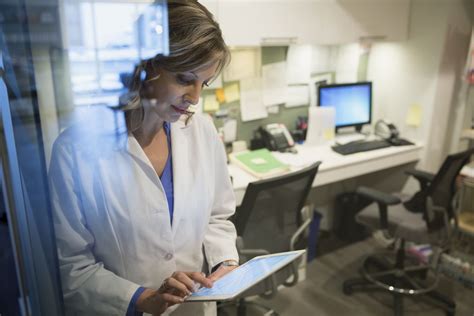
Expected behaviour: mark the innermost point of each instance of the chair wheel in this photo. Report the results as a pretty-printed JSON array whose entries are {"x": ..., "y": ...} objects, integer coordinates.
[{"x": 346, "y": 289}]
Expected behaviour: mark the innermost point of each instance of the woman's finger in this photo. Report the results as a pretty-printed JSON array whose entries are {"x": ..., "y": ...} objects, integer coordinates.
[
  {"x": 185, "y": 279},
  {"x": 200, "y": 278},
  {"x": 174, "y": 286}
]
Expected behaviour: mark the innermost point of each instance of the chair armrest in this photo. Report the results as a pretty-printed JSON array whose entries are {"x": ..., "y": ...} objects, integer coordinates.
[
  {"x": 307, "y": 216},
  {"x": 383, "y": 200},
  {"x": 248, "y": 253},
  {"x": 423, "y": 177},
  {"x": 253, "y": 252},
  {"x": 378, "y": 196}
]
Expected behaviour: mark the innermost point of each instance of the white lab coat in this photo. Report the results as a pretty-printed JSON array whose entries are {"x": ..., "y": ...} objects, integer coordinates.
[{"x": 112, "y": 221}]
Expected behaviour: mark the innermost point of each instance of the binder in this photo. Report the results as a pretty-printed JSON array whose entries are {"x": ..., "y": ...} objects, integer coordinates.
[{"x": 260, "y": 163}]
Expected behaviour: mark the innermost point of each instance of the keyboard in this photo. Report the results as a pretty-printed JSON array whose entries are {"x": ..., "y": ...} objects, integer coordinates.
[{"x": 359, "y": 146}]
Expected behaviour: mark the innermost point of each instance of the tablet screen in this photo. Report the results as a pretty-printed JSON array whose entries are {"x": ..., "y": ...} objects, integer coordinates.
[{"x": 242, "y": 278}]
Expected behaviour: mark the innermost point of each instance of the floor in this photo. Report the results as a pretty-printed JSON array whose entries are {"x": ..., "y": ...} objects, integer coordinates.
[{"x": 321, "y": 294}]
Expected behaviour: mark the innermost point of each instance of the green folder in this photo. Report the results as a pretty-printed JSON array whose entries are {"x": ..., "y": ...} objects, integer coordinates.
[{"x": 260, "y": 163}]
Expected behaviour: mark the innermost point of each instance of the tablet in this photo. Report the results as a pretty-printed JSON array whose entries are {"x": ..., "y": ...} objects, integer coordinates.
[{"x": 244, "y": 277}]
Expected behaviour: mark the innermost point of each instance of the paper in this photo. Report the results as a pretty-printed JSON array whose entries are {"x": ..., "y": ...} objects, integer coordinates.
[
  {"x": 468, "y": 170},
  {"x": 273, "y": 109},
  {"x": 231, "y": 92},
  {"x": 321, "y": 125},
  {"x": 220, "y": 95},
  {"x": 210, "y": 103},
  {"x": 230, "y": 130},
  {"x": 298, "y": 64},
  {"x": 251, "y": 103},
  {"x": 414, "y": 115},
  {"x": 260, "y": 163},
  {"x": 245, "y": 63},
  {"x": 274, "y": 83},
  {"x": 297, "y": 95}
]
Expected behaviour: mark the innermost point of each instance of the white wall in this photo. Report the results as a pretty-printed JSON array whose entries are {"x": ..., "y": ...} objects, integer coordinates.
[
  {"x": 343, "y": 60},
  {"x": 409, "y": 72}
]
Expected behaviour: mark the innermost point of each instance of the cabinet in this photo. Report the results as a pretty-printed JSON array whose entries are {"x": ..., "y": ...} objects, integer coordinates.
[{"x": 322, "y": 22}]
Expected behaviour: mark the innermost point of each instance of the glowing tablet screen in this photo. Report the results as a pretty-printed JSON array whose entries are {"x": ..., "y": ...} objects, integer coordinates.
[{"x": 245, "y": 276}]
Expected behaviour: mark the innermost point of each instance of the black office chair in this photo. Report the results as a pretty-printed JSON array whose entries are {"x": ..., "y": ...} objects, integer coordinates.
[
  {"x": 272, "y": 218},
  {"x": 422, "y": 218}
]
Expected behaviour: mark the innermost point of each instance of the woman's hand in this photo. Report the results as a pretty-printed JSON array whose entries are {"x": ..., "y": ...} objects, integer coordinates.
[
  {"x": 220, "y": 272},
  {"x": 173, "y": 291}
]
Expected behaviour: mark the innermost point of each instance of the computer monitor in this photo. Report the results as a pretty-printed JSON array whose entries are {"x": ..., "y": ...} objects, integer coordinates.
[{"x": 352, "y": 101}]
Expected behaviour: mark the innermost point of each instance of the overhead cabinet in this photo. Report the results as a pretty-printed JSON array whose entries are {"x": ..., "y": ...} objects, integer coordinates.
[{"x": 323, "y": 22}]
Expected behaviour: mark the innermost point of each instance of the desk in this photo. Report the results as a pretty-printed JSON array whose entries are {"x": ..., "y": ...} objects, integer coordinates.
[{"x": 334, "y": 167}]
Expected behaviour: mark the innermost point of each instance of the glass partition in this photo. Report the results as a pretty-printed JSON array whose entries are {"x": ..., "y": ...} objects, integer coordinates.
[{"x": 62, "y": 63}]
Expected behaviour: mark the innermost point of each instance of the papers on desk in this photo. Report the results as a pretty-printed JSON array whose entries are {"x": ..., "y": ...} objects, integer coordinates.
[
  {"x": 321, "y": 125},
  {"x": 468, "y": 170},
  {"x": 306, "y": 156},
  {"x": 259, "y": 163}
]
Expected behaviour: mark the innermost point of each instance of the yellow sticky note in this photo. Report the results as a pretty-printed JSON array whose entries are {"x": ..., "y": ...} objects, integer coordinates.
[
  {"x": 232, "y": 93},
  {"x": 328, "y": 134},
  {"x": 220, "y": 95},
  {"x": 210, "y": 103},
  {"x": 414, "y": 115}
]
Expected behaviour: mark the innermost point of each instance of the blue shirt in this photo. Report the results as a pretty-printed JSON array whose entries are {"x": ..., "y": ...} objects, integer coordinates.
[
  {"x": 167, "y": 182},
  {"x": 167, "y": 175}
]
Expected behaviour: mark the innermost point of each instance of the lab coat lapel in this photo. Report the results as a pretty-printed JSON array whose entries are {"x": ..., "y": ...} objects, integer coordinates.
[
  {"x": 181, "y": 171},
  {"x": 134, "y": 149},
  {"x": 157, "y": 190}
]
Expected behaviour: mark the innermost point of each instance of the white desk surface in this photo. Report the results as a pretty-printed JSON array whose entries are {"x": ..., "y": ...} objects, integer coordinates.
[{"x": 334, "y": 167}]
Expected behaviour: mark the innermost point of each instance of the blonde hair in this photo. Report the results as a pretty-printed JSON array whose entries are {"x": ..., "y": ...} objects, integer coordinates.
[{"x": 195, "y": 40}]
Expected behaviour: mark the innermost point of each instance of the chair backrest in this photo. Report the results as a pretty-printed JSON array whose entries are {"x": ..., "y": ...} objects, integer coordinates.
[
  {"x": 270, "y": 211},
  {"x": 442, "y": 188}
]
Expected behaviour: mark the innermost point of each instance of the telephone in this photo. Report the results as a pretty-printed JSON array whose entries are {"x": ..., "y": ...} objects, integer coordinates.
[
  {"x": 389, "y": 132},
  {"x": 276, "y": 137}
]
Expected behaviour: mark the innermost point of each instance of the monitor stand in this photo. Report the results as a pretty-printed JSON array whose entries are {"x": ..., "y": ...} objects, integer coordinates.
[{"x": 349, "y": 134}]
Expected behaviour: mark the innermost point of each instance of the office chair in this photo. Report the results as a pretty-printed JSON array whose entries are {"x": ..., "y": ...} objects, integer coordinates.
[
  {"x": 424, "y": 217},
  {"x": 272, "y": 218}
]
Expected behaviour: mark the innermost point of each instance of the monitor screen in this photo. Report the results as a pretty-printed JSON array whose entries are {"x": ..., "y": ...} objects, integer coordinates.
[{"x": 352, "y": 102}]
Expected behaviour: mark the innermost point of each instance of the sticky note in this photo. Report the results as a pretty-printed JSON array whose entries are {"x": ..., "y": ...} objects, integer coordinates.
[
  {"x": 232, "y": 93},
  {"x": 328, "y": 134},
  {"x": 414, "y": 115},
  {"x": 210, "y": 103},
  {"x": 220, "y": 95}
]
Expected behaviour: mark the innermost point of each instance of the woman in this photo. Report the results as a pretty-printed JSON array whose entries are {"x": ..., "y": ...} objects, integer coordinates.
[{"x": 141, "y": 219}]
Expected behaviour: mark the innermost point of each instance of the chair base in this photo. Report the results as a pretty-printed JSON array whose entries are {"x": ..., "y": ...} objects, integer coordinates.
[{"x": 379, "y": 274}]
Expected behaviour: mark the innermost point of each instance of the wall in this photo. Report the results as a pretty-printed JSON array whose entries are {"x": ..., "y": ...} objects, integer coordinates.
[{"x": 422, "y": 71}]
